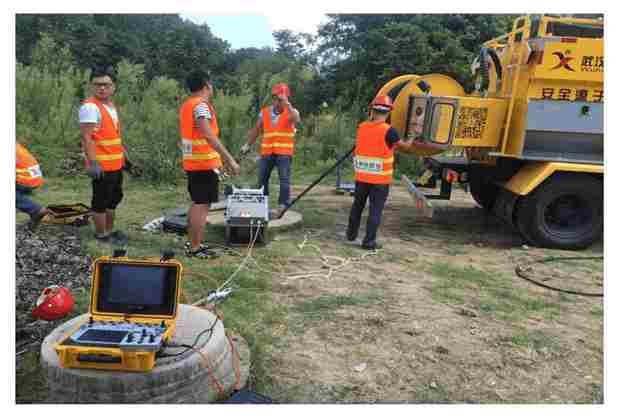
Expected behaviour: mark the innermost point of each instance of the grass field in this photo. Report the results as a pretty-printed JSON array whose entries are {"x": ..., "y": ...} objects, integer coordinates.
[{"x": 438, "y": 315}]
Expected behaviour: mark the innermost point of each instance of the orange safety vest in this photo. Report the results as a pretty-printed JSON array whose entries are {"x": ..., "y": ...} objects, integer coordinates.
[
  {"x": 374, "y": 160},
  {"x": 198, "y": 154},
  {"x": 27, "y": 170},
  {"x": 109, "y": 150},
  {"x": 278, "y": 139}
]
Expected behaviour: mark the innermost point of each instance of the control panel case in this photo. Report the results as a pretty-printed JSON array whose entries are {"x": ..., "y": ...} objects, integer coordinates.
[{"x": 132, "y": 314}]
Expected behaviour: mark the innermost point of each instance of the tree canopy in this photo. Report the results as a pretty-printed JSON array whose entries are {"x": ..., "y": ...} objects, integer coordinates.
[{"x": 351, "y": 56}]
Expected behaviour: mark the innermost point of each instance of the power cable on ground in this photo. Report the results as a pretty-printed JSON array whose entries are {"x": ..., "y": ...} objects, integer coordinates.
[{"x": 520, "y": 271}]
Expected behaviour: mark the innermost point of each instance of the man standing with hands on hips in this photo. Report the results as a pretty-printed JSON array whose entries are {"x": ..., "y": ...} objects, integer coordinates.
[
  {"x": 277, "y": 125},
  {"x": 100, "y": 135}
]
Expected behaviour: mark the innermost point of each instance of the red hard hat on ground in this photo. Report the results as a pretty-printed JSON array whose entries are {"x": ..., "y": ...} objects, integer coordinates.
[
  {"x": 382, "y": 103},
  {"x": 54, "y": 303},
  {"x": 281, "y": 88}
]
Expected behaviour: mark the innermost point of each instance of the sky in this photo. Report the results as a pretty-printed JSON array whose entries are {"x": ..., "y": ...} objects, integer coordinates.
[{"x": 255, "y": 29}]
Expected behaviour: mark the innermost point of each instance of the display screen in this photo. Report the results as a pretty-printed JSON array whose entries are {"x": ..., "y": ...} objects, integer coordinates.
[{"x": 136, "y": 289}]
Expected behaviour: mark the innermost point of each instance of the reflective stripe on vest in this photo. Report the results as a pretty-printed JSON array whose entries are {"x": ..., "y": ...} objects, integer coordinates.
[
  {"x": 107, "y": 137},
  {"x": 27, "y": 170},
  {"x": 278, "y": 139},
  {"x": 374, "y": 160},
  {"x": 198, "y": 154}
]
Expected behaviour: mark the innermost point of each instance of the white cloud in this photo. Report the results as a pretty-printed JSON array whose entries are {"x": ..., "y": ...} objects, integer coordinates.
[{"x": 308, "y": 21}]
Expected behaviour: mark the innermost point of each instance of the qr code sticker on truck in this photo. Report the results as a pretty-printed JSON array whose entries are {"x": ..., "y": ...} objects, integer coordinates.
[{"x": 471, "y": 122}]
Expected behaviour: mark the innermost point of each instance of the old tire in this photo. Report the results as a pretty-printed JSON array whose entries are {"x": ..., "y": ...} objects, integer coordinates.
[
  {"x": 482, "y": 188},
  {"x": 564, "y": 212},
  {"x": 181, "y": 379}
]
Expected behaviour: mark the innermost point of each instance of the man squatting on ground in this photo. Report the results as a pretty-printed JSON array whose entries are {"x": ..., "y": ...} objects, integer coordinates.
[
  {"x": 373, "y": 162},
  {"x": 104, "y": 153},
  {"x": 277, "y": 125},
  {"x": 28, "y": 177},
  {"x": 202, "y": 158}
]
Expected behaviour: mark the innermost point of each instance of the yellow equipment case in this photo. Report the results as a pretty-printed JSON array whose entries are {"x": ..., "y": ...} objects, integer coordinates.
[
  {"x": 68, "y": 214},
  {"x": 132, "y": 315}
]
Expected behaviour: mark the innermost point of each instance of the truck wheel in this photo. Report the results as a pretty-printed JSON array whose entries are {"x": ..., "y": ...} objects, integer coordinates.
[
  {"x": 482, "y": 189},
  {"x": 565, "y": 212}
]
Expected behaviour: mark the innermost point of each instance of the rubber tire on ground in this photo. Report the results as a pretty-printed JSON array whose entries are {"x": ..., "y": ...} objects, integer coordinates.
[
  {"x": 182, "y": 379},
  {"x": 482, "y": 188},
  {"x": 530, "y": 216}
]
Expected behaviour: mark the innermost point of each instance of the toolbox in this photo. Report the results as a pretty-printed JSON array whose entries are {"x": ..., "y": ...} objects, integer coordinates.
[
  {"x": 132, "y": 315},
  {"x": 68, "y": 214}
]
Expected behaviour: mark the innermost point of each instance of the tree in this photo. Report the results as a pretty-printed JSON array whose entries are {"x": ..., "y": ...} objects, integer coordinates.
[{"x": 376, "y": 48}]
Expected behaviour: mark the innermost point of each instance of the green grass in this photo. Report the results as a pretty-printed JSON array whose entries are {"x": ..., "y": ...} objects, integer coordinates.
[
  {"x": 532, "y": 339},
  {"x": 599, "y": 312},
  {"x": 490, "y": 292},
  {"x": 250, "y": 310}
]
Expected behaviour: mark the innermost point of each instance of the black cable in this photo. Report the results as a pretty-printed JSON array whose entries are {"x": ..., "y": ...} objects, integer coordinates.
[
  {"x": 319, "y": 179},
  {"x": 193, "y": 345},
  {"x": 521, "y": 273}
]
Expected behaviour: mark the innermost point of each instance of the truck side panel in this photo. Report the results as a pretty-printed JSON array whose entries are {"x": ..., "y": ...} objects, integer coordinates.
[{"x": 533, "y": 174}]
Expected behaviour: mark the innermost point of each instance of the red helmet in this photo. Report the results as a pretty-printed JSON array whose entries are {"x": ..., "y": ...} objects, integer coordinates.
[
  {"x": 382, "y": 103},
  {"x": 54, "y": 303},
  {"x": 281, "y": 88}
]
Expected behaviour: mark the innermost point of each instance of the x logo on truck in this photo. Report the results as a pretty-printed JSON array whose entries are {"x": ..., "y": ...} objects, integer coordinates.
[{"x": 564, "y": 59}]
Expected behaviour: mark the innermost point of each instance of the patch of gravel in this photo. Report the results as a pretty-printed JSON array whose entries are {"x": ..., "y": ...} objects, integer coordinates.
[{"x": 50, "y": 255}]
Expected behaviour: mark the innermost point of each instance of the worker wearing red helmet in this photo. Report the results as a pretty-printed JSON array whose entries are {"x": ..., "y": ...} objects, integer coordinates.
[
  {"x": 277, "y": 125},
  {"x": 373, "y": 162}
]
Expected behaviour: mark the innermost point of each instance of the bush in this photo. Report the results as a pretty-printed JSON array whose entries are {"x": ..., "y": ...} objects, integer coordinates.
[{"x": 49, "y": 92}]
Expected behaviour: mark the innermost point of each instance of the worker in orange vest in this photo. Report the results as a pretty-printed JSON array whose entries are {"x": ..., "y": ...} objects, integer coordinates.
[
  {"x": 277, "y": 125},
  {"x": 203, "y": 153},
  {"x": 100, "y": 134},
  {"x": 28, "y": 177},
  {"x": 373, "y": 162}
]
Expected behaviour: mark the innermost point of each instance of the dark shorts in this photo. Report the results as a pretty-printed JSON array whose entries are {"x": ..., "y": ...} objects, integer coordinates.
[
  {"x": 203, "y": 186},
  {"x": 107, "y": 191}
]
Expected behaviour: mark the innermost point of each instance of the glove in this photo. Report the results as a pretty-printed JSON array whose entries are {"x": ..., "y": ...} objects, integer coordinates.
[
  {"x": 94, "y": 170},
  {"x": 245, "y": 149}
]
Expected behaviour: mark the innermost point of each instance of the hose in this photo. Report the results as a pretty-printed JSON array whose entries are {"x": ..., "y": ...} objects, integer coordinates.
[
  {"x": 319, "y": 179},
  {"x": 520, "y": 271},
  {"x": 484, "y": 66}
]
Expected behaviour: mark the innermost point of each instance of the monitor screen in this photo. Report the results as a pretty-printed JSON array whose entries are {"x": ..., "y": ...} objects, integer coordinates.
[{"x": 138, "y": 289}]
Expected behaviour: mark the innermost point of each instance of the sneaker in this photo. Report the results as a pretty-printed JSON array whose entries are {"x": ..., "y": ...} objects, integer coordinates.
[
  {"x": 202, "y": 252},
  {"x": 118, "y": 237},
  {"x": 35, "y": 219},
  {"x": 188, "y": 246},
  {"x": 371, "y": 246},
  {"x": 351, "y": 236}
]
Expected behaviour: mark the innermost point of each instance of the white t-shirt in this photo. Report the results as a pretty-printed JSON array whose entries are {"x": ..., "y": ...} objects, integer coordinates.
[
  {"x": 274, "y": 116},
  {"x": 89, "y": 113},
  {"x": 201, "y": 111}
]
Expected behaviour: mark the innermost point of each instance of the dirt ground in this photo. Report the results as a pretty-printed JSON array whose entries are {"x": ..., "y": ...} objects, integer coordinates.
[{"x": 438, "y": 315}]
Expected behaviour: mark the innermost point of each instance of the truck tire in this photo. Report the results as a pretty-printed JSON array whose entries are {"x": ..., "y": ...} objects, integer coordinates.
[
  {"x": 565, "y": 212},
  {"x": 482, "y": 189}
]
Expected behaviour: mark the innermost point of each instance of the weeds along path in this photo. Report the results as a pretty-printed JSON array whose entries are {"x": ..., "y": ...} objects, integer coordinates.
[{"x": 437, "y": 315}]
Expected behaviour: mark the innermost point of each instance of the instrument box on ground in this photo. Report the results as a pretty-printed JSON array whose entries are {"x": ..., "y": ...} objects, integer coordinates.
[
  {"x": 68, "y": 214},
  {"x": 132, "y": 314}
]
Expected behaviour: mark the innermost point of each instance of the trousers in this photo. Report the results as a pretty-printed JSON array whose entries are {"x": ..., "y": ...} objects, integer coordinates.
[{"x": 377, "y": 194}]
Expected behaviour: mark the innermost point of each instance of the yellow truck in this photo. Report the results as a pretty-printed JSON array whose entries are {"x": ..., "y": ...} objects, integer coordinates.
[{"x": 531, "y": 132}]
